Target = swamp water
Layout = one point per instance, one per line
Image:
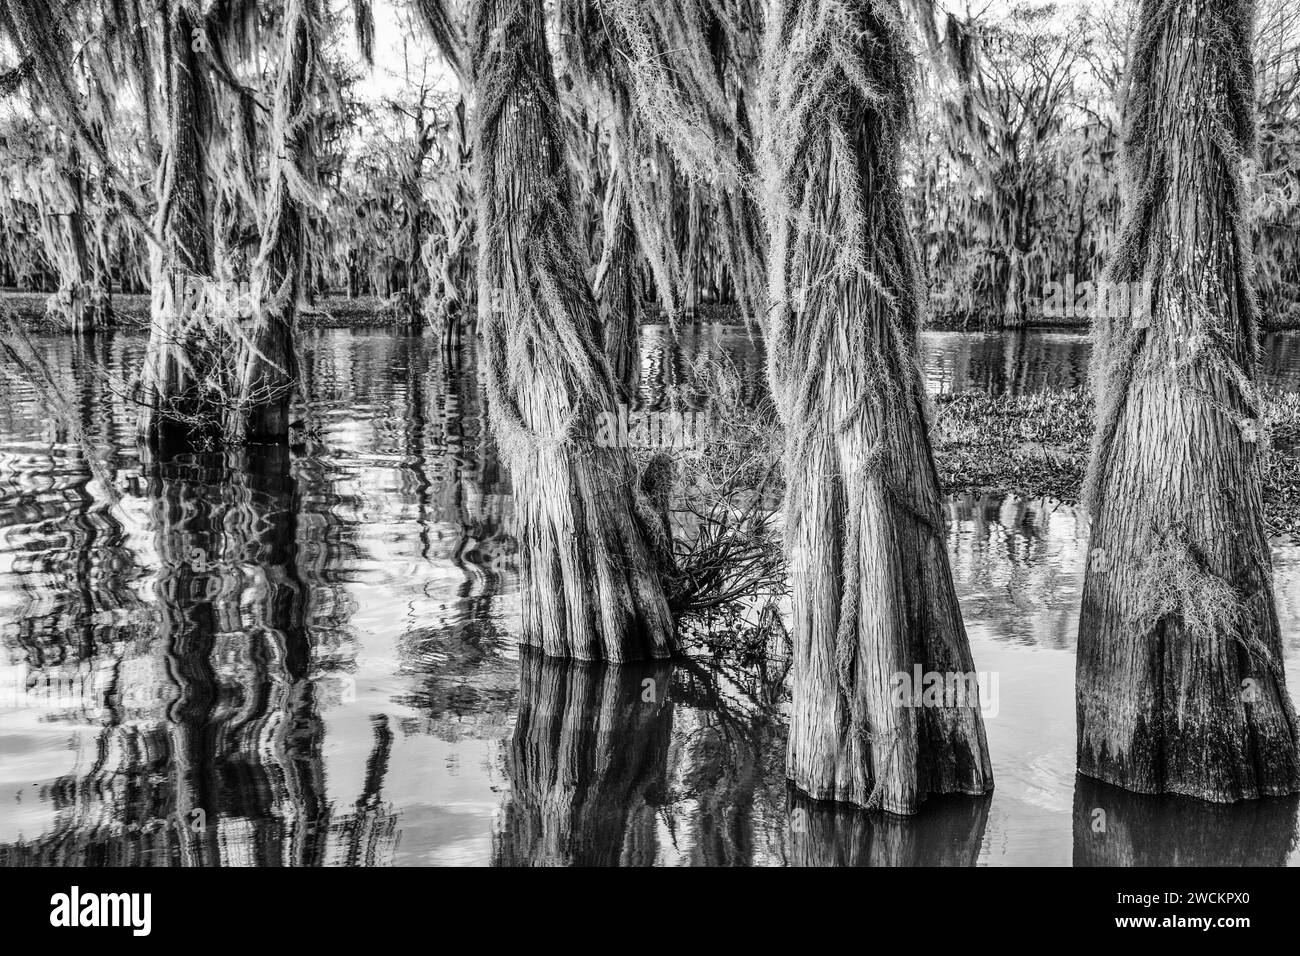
(310, 658)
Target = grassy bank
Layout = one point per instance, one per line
(1037, 446)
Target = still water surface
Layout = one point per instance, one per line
(310, 658)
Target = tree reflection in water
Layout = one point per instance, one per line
(218, 759)
(588, 764)
(947, 831)
(377, 558)
(1114, 827)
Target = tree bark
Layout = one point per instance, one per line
(173, 361)
(81, 284)
(865, 536)
(590, 586)
(270, 367)
(1179, 683)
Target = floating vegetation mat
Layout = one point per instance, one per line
(1037, 445)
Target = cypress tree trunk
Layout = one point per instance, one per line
(270, 368)
(63, 235)
(590, 586)
(417, 225)
(1179, 685)
(872, 590)
(81, 288)
(457, 278)
(172, 362)
(101, 288)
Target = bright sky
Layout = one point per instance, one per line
(403, 53)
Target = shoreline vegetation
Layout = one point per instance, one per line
(131, 312)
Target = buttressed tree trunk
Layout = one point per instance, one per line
(591, 588)
(1179, 684)
(872, 590)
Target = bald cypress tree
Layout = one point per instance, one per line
(590, 585)
(873, 594)
(182, 252)
(1180, 687)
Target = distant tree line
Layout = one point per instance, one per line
(1012, 177)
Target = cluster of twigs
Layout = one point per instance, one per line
(728, 560)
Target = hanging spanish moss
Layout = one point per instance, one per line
(591, 584)
(675, 77)
(270, 362)
(873, 594)
(700, 390)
